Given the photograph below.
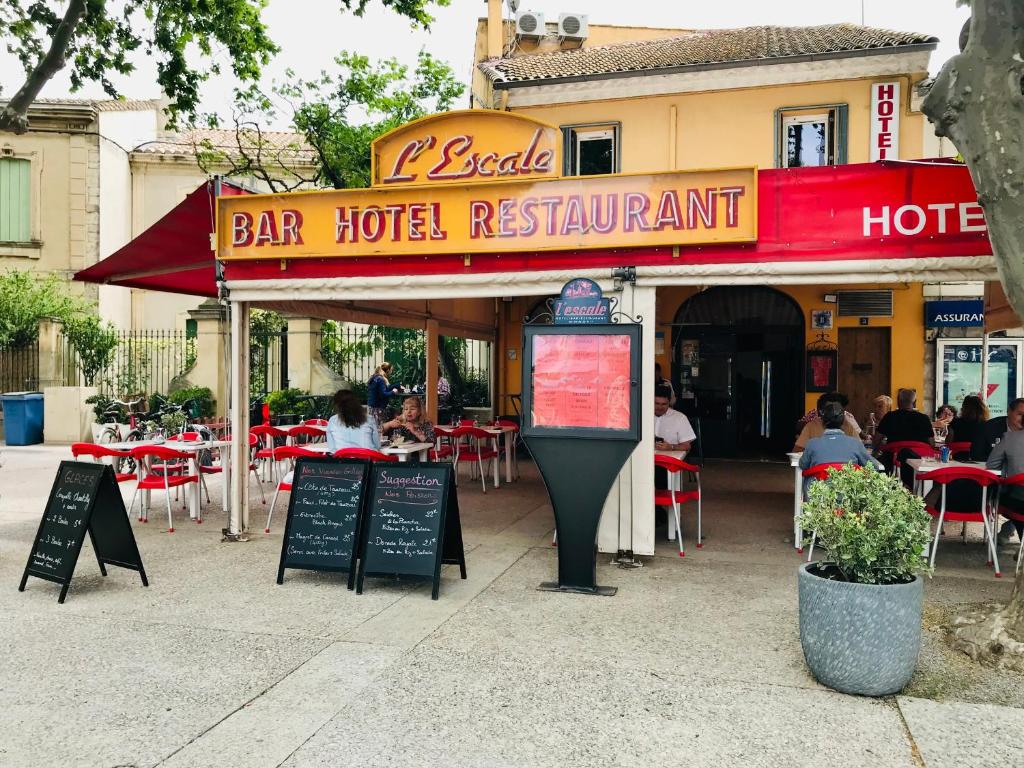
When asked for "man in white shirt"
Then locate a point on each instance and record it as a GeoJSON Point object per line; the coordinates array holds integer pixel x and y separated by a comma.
{"type": "Point", "coordinates": [660, 381]}
{"type": "Point", "coordinates": [672, 430]}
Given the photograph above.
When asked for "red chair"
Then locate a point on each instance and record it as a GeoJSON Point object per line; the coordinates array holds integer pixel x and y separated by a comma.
{"type": "Point", "coordinates": [216, 469]}
{"type": "Point", "coordinates": [313, 435]}
{"type": "Point", "coordinates": [151, 481]}
{"type": "Point", "coordinates": [474, 449]}
{"type": "Point", "coordinates": [923, 450]}
{"type": "Point", "coordinates": [943, 477]}
{"type": "Point", "coordinates": [266, 434]}
{"type": "Point", "coordinates": [363, 453]}
{"type": "Point", "coordinates": [443, 448]}
{"type": "Point", "coordinates": [287, 453]}
{"type": "Point", "coordinates": [98, 452]}
{"type": "Point", "coordinates": [820, 472]}
{"type": "Point", "coordinates": [467, 422]}
{"type": "Point", "coordinates": [959, 448]}
{"type": "Point", "coordinates": [1008, 512]}
{"type": "Point", "coordinates": [315, 422]}
{"type": "Point", "coordinates": [675, 496]}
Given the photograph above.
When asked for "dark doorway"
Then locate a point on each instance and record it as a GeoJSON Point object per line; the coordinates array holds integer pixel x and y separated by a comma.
{"type": "Point", "coordinates": [737, 365]}
{"type": "Point", "coordinates": [864, 372]}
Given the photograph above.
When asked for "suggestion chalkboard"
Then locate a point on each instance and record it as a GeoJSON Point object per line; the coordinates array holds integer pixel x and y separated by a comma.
{"type": "Point", "coordinates": [412, 524]}
{"type": "Point", "coordinates": [325, 515]}
{"type": "Point", "coordinates": [84, 499]}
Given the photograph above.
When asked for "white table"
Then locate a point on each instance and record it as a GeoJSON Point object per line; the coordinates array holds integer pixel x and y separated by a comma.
{"type": "Point", "coordinates": [924, 466]}
{"type": "Point", "coordinates": [510, 437]}
{"type": "Point", "coordinates": [403, 452]}
{"type": "Point", "coordinates": [193, 448]}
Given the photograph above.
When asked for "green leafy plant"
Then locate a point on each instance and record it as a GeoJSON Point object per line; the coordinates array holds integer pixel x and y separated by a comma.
{"type": "Point", "coordinates": [203, 397]}
{"type": "Point", "coordinates": [875, 530]}
{"type": "Point", "coordinates": [94, 341]}
{"type": "Point", "coordinates": [286, 400]}
{"type": "Point", "coordinates": [26, 298]}
{"type": "Point", "coordinates": [175, 422]}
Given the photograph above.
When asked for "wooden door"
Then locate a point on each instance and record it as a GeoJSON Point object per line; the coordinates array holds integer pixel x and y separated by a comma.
{"type": "Point", "coordinates": [864, 367]}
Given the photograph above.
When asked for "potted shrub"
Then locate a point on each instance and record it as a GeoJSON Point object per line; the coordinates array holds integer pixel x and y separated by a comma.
{"type": "Point", "coordinates": [284, 405]}
{"type": "Point", "coordinates": [860, 608]}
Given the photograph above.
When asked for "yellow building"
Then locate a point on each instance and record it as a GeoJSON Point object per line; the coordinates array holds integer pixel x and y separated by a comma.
{"type": "Point", "coordinates": [640, 100]}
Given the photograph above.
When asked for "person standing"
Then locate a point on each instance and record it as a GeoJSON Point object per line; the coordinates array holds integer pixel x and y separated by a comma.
{"type": "Point", "coordinates": [378, 393]}
{"type": "Point", "coordinates": [349, 427]}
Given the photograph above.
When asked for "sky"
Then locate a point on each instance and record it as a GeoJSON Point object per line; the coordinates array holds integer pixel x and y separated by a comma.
{"type": "Point", "coordinates": [311, 38]}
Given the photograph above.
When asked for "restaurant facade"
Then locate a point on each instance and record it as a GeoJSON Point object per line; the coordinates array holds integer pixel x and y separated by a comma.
{"type": "Point", "coordinates": [756, 199]}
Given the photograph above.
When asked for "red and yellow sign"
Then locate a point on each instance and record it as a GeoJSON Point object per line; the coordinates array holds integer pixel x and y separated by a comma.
{"type": "Point", "coordinates": [621, 211]}
{"type": "Point", "coordinates": [475, 145]}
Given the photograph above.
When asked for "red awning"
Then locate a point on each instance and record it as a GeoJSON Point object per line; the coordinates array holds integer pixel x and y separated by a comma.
{"type": "Point", "coordinates": [173, 255]}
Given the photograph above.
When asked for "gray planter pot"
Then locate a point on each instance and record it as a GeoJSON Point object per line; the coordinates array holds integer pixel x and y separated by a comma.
{"type": "Point", "coordinates": [860, 638]}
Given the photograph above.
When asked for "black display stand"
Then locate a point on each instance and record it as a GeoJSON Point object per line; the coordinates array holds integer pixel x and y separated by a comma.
{"type": "Point", "coordinates": [413, 524]}
{"type": "Point", "coordinates": [326, 512]}
{"type": "Point", "coordinates": [84, 498]}
{"type": "Point", "coordinates": [579, 463]}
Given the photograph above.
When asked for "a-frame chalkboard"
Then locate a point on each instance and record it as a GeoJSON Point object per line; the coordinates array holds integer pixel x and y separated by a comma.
{"type": "Point", "coordinates": [84, 498]}
{"type": "Point", "coordinates": [413, 524]}
{"type": "Point", "coordinates": [325, 516]}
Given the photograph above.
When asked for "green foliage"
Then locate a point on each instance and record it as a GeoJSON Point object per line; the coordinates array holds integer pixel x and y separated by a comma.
{"type": "Point", "coordinates": [265, 321]}
{"type": "Point", "coordinates": [203, 397]}
{"type": "Point", "coordinates": [26, 298]}
{"type": "Point", "coordinates": [338, 114]}
{"type": "Point", "coordinates": [102, 405]}
{"type": "Point", "coordinates": [286, 400]}
{"type": "Point", "coordinates": [875, 530]}
{"type": "Point", "coordinates": [336, 352]}
{"type": "Point", "coordinates": [173, 422]}
{"type": "Point", "coordinates": [94, 341]}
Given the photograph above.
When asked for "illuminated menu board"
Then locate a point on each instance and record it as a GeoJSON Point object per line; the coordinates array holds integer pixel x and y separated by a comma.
{"type": "Point", "coordinates": [581, 381]}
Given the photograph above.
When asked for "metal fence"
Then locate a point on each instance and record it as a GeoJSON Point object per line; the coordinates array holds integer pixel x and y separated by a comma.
{"type": "Point", "coordinates": [268, 363]}
{"type": "Point", "coordinates": [143, 362]}
{"type": "Point", "coordinates": [354, 352]}
{"type": "Point", "coordinates": [19, 368]}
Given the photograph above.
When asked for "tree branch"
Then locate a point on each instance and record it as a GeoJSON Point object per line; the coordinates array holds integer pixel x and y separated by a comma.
{"type": "Point", "coordinates": [14, 118]}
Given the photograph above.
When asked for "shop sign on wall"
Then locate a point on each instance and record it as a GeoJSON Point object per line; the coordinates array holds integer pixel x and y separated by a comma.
{"type": "Point", "coordinates": [581, 303]}
{"type": "Point", "coordinates": [963, 313]}
{"type": "Point", "coordinates": [885, 121]}
{"type": "Point", "coordinates": [675, 208]}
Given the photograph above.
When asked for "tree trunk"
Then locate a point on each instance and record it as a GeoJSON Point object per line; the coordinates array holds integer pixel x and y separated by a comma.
{"type": "Point", "coordinates": [977, 101]}
{"type": "Point", "coordinates": [14, 117]}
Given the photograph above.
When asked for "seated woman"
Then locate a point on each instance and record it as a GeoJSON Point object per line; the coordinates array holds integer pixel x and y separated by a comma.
{"type": "Point", "coordinates": [349, 427]}
{"type": "Point", "coordinates": [834, 446]}
{"type": "Point", "coordinates": [410, 424]}
{"type": "Point", "coordinates": [969, 427]}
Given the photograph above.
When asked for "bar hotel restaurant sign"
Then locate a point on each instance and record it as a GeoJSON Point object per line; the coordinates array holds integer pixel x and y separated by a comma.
{"type": "Point", "coordinates": [479, 181]}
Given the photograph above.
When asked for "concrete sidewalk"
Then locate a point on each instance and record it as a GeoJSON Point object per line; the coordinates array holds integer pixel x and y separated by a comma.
{"type": "Point", "coordinates": [696, 661]}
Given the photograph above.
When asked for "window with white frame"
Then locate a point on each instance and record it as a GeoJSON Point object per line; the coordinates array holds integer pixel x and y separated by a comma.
{"type": "Point", "coordinates": [811, 136]}
{"type": "Point", "coordinates": [591, 150]}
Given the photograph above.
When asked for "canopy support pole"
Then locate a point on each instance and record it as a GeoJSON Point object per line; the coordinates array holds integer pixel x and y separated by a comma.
{"type": "Point", "coordinates": [984, 367]}
{"type": "Point", "coordinates": [433, 363]}
{"type": "Point", "coordinates": [239, 519]}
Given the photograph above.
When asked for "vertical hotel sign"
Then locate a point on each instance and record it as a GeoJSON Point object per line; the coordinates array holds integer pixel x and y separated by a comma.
{"type": "Point", "coordinates": [885, 121]}
{"type": "Point", "coordinates": [482, 181]}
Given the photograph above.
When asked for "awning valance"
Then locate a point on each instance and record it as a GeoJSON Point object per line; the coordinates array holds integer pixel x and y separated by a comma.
{"type": "Point", "coordinates": [173, 255]}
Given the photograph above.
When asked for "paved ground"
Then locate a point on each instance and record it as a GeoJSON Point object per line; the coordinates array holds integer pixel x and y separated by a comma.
{"type": "Point", "coordinates": [696, 661]}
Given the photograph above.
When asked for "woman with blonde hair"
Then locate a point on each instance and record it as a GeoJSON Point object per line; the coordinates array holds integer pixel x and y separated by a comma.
{"type": "Point", "coordinates": [378, 393]}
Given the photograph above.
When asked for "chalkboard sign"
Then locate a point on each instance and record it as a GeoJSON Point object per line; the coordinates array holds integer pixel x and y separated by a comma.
{"type": "Point", "coordinates": [413, 523]}
{"type": "Point", "coordinates": [84, 499]}
{"type": "Point", "coordinates": [324, 516]}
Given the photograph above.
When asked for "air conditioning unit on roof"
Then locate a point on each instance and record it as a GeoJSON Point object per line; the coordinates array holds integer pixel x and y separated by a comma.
{"type": "Point", "coordinates": [530, 24]}
{"type": "Point", "coordinates": [573, 26]}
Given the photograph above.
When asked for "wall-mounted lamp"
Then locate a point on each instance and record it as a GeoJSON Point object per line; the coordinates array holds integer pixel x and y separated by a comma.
{"type": "Point", "coordinates": [623, 275]}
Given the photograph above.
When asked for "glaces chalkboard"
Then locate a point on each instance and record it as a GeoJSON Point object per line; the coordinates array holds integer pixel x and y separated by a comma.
{"type": "Point", "coordinates": [84, 498]}
{"type": "Point", "coordinates": [325, 512]}
{"type": "Point", "coordinates": [413, 523]}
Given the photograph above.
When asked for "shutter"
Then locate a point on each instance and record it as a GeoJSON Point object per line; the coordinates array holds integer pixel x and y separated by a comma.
{"type": "Point", "coordinates": [865, 303]}
{"type": "Point", "coordinates": [15, 219]}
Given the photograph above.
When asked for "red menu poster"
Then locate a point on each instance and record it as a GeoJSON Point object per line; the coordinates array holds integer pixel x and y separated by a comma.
{"type": "Point", "coordinates": [581, 380]}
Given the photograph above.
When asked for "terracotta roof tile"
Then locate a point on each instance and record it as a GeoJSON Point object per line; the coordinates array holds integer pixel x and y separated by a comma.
{"type": "Point", "coordinates": [712, 46]}
{"type": "Point", "coordinates": [284, 143]}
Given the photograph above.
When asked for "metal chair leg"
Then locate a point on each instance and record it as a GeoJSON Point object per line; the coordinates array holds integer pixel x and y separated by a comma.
{"type": "Point", "coordinates": [270, 514]}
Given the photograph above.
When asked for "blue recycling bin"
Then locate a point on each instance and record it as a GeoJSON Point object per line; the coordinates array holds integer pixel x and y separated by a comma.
{"type": "Point", "coordinates": [23, 417]}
